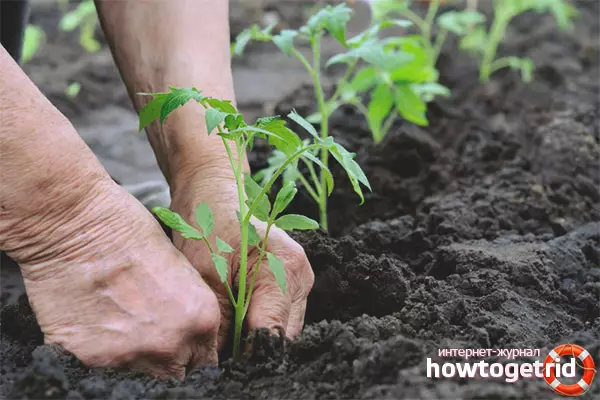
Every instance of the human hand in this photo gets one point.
(106, 284)
(269, 306)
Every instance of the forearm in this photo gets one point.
(39, 149)
(183, 43)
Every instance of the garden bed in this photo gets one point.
(482, 231)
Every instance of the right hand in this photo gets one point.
(107, 284)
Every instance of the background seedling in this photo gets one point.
(483, 44)
(254, 204)
(396, 72)
(85, 18)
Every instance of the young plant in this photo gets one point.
(483, 44)
(396, 72)
(237, 137)
(85, 18)
(33, 39)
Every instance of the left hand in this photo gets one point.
(269, 306)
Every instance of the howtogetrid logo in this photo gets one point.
(552, 370)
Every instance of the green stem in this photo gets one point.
(437, 46)
(387, 125)
(243, 269)
(313, 174)
(308, 187)
(431, 12)
(496, 33)
(261, 255)
(316, 48)
(415, 19)
(229, 292)
(276, 175)
(343, 82)
(499, 64)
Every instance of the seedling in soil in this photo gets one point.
(396, 72)
(85, 18)
(483, 44)
(254, 204)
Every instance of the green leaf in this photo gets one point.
(292, 222)
(336, 21)
(223, 246)
(324, 171)
(285, 139)
(221, 105)
(285, 41)
(297, 118)
(284, 197)
(177, 223)
(253, 190)
(151, 111)
(69, 21)
(205, 218)
(524, 65)
(410, 106)
(364, 80)
(382, 102)
(252, 33)
(373, 52)
(176, 98)
(355, 173)
(380, 9)
(73, 90)
(253, 237)
(428, 91)
(213, 118)
(460, 22)
(276, 267)
(475, 41)
(220, 263)
(32, 41)
(87, 38)
(233, 122)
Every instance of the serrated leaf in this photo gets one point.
(336, 21)
(285, 41)
(410, 106)
(223, 246)
(205, 218)
(427, 91)
(233, 122)
(213, 119)
(380, 9)
(298, 222)
(284, 197)
(276, 267)
(151, 111)
(221, 266)
(177, 223)
(380, 105)
(297, 118)
(221, 105)
(475, 41)
(460, 22)
(253, 190)
(362, 81)
(253, 237)
(283, 138)
(353, 170)
(176, 98)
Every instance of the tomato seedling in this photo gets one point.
(483, 43)
(237, 137)
(396, 72)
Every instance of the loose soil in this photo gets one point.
(482, 231)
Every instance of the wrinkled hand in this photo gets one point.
(269, 306)
(107, 285)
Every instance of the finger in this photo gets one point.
(269, 306)
(296, 320)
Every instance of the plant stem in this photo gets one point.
(308, 187)
(261, 255)
(497, 30)
(313, 174)
(243, 269)
(342, 82)
(276, 175)
(387, 125)
(415, 19)
(437, 46)
(316, 75)
(229, 292)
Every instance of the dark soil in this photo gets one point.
(482, 231)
